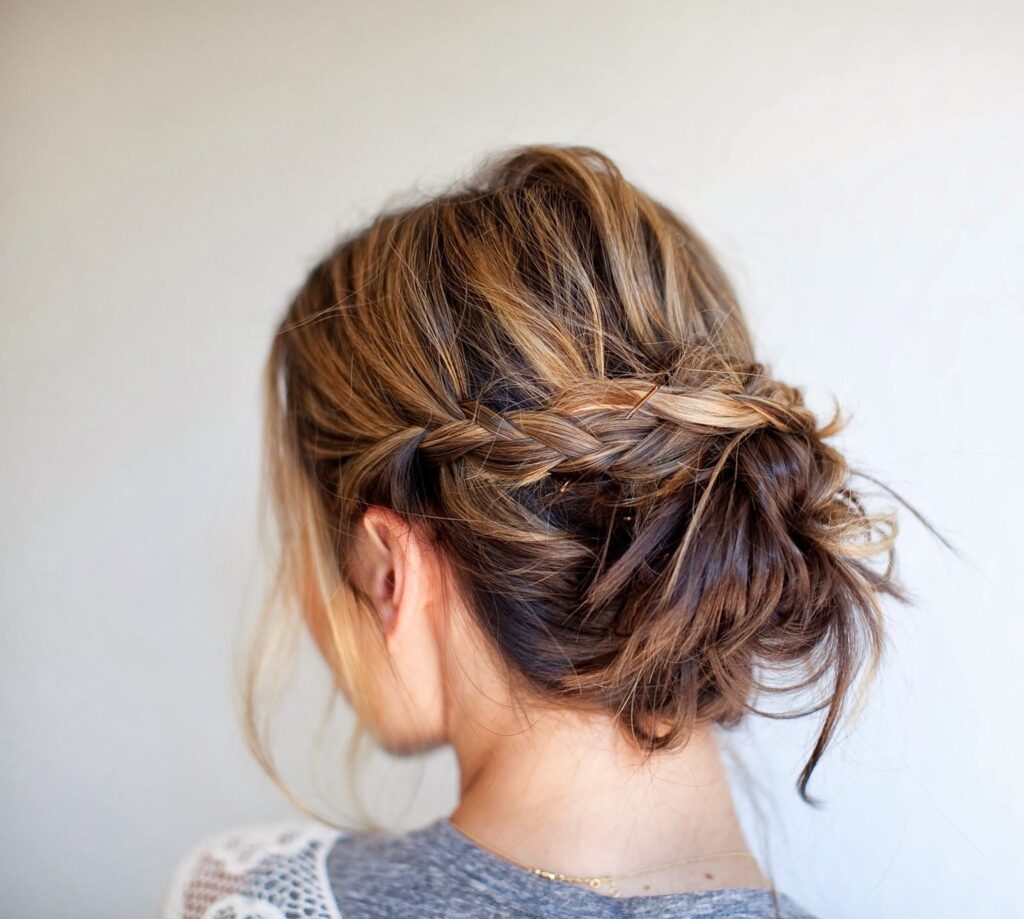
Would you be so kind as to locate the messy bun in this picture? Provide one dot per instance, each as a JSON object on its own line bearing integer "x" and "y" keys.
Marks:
{"x": 549, "y": 371}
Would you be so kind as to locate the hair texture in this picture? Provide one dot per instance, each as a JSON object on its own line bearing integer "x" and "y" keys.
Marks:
{"x": 549, "y": 371}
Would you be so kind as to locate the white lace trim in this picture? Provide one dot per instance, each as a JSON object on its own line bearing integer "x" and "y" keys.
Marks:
{"x": 276, "y": 871}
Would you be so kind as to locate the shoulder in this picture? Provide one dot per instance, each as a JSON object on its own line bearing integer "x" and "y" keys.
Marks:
{"x": 271, "y": 871}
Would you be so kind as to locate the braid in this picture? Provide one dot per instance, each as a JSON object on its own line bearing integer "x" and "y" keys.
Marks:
{"x": 623, "y": 428}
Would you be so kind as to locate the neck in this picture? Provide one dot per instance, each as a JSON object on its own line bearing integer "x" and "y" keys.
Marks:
{"x": 570, "y": 794}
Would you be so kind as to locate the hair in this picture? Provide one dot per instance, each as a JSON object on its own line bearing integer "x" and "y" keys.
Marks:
{"x": 548, "y": 370}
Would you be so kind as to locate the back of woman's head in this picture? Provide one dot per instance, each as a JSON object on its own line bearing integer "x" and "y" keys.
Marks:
{"x": 548, "y": 371}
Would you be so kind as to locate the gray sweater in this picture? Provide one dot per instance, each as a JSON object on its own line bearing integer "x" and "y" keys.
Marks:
{"x": 310, "y": 871}
{"x": 437, "y": 871}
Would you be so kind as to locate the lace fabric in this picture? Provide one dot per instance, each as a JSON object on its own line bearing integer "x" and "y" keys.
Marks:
{"x": 276, "y": 871}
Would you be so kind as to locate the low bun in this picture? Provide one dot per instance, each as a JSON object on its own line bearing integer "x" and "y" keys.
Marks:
{"x": 549, "y": 371}
{"x": 758, "y": 559}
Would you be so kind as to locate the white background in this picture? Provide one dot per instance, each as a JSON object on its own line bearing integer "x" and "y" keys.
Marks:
{"x": 171, "y": 171}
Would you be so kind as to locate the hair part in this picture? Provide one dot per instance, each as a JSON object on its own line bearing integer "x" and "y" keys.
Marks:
{"x": 548, "y": 370}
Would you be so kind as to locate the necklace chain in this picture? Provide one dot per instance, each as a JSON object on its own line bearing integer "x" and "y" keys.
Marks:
{"x": 596, "y": 882}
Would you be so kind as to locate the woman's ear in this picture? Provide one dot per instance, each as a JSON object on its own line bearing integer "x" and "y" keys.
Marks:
{"x": 395, "y": 572}
{"x": 401, "y": 575}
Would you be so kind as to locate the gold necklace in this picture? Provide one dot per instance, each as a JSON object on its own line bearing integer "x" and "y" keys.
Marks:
{"x": 596, "y": 882}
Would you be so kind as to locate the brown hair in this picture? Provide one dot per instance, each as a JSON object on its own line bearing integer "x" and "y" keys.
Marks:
{"x": 549, "y": 370}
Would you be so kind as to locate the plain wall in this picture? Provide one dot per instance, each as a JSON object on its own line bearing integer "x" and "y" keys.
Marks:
{"x": 171, "y": 171}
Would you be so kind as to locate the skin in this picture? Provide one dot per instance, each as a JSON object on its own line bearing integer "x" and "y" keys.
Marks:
{"x": 551, "y": 787}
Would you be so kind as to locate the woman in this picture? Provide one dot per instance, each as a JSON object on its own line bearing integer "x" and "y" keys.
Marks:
{"x": 538, "y": 500}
